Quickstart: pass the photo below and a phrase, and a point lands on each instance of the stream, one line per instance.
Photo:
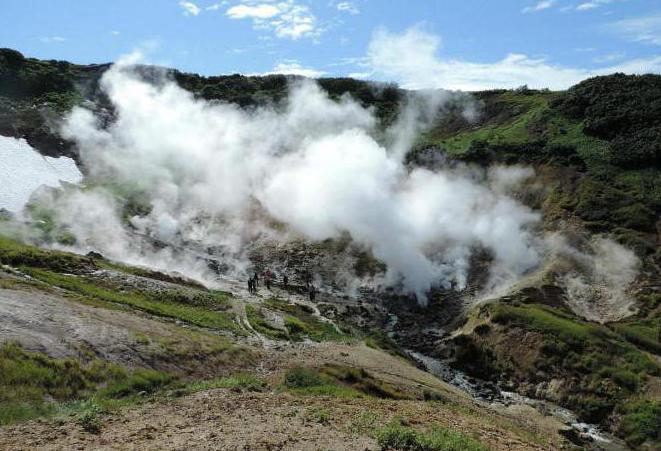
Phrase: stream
(488, 393)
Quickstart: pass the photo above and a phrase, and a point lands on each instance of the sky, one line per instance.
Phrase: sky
(451, 44)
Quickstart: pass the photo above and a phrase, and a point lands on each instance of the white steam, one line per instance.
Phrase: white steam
(219, 175)
(597, 278)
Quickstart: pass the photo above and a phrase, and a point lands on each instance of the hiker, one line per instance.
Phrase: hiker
(267, 278)
(311, 292)
(255, 281)
(250, 285)
(307, 276)
(285, 281)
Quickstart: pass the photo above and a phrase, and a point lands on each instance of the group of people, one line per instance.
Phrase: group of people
(268, 277)
(253, 282)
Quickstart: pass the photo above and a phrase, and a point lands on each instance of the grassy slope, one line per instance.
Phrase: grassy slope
(33, 384)
(607, 366)
(85, 387)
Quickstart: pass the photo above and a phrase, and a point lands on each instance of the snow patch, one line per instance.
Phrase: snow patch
(23, 170)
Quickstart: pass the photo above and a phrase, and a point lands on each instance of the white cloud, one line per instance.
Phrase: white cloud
(216, 6)
(540, 6)
(610, 57)
(347, 7)
(286, 19)
(190, 8)
(587, 6)
(411, 59)
(293, 67)
(593, 4)
(51, 39)
(636, 66)
(641, 29)
(115, 32)
(263, 11)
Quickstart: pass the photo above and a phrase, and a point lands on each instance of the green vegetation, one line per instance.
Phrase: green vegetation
(605, 367)
(90, 418)
(622, 109)
(307, 381)
(640, 422)
(258, 322)
(600, 141)
(156, 304)
(33, 384)
(244, 382)
(299, 323)
(397, 436)
(518, 111)
(16, 254)
(318, 415)
(642, 333)
(339, 381)
(378, 339)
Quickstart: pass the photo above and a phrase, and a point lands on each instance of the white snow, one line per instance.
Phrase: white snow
(23, 170)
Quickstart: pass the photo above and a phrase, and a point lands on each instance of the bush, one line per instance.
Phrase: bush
(396, 436)
(318, 415)
(246, 382)
(89, 419)
(641, 422)
(142, 380)
(623, 109)
(303, 378)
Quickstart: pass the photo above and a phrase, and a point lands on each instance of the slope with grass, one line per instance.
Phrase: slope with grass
(105, 355)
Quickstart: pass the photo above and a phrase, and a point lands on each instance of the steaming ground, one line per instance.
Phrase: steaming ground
(315, 168)
(215, 179)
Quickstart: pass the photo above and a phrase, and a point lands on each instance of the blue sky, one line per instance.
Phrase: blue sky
(457, 44)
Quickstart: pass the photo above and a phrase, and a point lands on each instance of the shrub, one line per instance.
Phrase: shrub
(303, 378)
(89, 419)
(396, 436)
(319, 415)
(641, 422)
(142, 380)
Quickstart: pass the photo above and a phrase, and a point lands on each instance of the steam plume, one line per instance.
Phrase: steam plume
(217, 174)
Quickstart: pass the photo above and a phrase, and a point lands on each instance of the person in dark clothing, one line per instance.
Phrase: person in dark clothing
(307, 276)
(250, 285)
(255, 281)
(285, 281)
(311, 292)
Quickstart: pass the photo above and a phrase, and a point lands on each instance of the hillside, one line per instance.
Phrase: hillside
(581, 331)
